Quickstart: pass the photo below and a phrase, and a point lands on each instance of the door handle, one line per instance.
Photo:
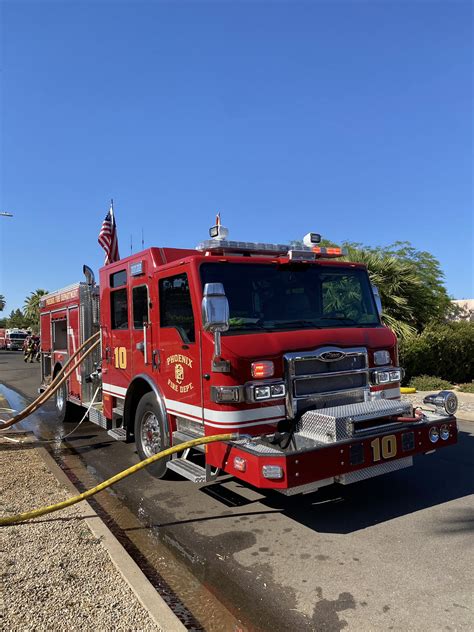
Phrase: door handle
(156, 358)
(145, 345)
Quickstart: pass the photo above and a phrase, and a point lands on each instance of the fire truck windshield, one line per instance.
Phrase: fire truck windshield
(293, 296)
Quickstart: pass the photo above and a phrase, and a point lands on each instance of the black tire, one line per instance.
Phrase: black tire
(150, 434)
(66, 412)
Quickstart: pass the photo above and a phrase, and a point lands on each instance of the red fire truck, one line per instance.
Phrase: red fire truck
(284, 346)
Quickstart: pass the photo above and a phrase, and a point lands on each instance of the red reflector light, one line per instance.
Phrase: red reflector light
(261, 369)
(240, 464)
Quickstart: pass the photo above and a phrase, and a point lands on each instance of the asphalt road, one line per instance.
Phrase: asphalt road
(391, 553)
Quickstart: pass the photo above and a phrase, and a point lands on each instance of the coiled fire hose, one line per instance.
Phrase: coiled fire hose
(35, 513)
(58, 381)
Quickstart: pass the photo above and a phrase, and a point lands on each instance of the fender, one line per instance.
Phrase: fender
(131, 402)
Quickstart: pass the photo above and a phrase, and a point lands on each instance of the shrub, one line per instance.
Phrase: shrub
(429, 383)
(467, 388)
(445, 350)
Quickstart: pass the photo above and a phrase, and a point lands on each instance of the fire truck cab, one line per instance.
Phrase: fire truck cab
(285, 347)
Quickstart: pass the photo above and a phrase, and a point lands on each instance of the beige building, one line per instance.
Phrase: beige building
(466, 305)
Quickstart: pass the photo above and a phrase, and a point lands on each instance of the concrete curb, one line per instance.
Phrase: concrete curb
(159, 611)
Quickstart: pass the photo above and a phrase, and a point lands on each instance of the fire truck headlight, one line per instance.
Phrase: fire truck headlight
(395, 376)
(386, 377)
(278, 390)
(434, 434)
(262, 392)
(381, 357)
(444, 432)
(382, 377)
(274, 472)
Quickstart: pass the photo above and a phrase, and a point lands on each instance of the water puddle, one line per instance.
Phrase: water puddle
(42, 423)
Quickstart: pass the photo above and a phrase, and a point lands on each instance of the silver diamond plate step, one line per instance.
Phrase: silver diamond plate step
(119, 434)
(187, 469)
(340, 422)
(96, 417)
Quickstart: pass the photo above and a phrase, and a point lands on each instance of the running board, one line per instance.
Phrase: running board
(188, 469)
(119, 434)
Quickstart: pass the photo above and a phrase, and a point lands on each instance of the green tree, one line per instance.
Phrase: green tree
(31, 308)
(399, 287)
(2, 302)
(17, 319)
(432, 302)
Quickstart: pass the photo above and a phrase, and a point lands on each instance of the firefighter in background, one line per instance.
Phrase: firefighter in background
(32, 347)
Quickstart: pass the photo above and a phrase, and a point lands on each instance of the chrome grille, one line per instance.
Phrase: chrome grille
(327, 372)
(315, 385)
(311, 366)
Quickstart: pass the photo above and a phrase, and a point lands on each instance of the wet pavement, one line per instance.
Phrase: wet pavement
(393, 552)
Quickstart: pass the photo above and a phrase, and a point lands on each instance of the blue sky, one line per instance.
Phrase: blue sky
(352, 119)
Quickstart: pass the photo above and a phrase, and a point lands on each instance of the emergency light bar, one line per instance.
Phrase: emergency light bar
(278, 250)
(222, 245)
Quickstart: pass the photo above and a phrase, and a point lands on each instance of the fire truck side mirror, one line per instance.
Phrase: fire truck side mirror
(378, 300)
(215, 308)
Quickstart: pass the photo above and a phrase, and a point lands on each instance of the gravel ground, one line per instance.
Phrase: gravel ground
(54, 574)
(465, 401)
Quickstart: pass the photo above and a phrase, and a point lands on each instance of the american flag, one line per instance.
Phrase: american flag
(108, 237)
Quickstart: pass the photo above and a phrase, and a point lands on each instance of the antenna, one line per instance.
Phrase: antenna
(143, 241)
(131, 243)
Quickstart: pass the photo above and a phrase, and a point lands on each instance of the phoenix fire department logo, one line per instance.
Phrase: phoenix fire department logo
(178, 373)
(178, 364)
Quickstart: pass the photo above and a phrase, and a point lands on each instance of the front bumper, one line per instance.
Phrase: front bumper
(314, 464)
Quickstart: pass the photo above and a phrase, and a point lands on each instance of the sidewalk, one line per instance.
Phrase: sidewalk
(55, 572)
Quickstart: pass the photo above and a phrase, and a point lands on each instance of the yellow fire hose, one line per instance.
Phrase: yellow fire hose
(58, 381)
(35, 513)
(407, 390)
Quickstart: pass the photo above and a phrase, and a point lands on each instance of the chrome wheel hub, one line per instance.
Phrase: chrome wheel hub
(150, 434)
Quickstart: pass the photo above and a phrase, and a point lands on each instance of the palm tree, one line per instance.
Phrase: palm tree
(399, 286)
(31, 307)
(2, 302)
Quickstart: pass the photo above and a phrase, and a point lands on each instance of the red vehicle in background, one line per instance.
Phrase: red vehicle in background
(14, 339)
(284, 346)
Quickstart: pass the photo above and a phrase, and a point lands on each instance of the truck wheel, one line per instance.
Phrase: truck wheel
(66, 411)
(150, 436)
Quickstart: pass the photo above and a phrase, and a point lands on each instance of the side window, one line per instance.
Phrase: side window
(140, 306)
(118, 278)
(175, 306)
(119, 309)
